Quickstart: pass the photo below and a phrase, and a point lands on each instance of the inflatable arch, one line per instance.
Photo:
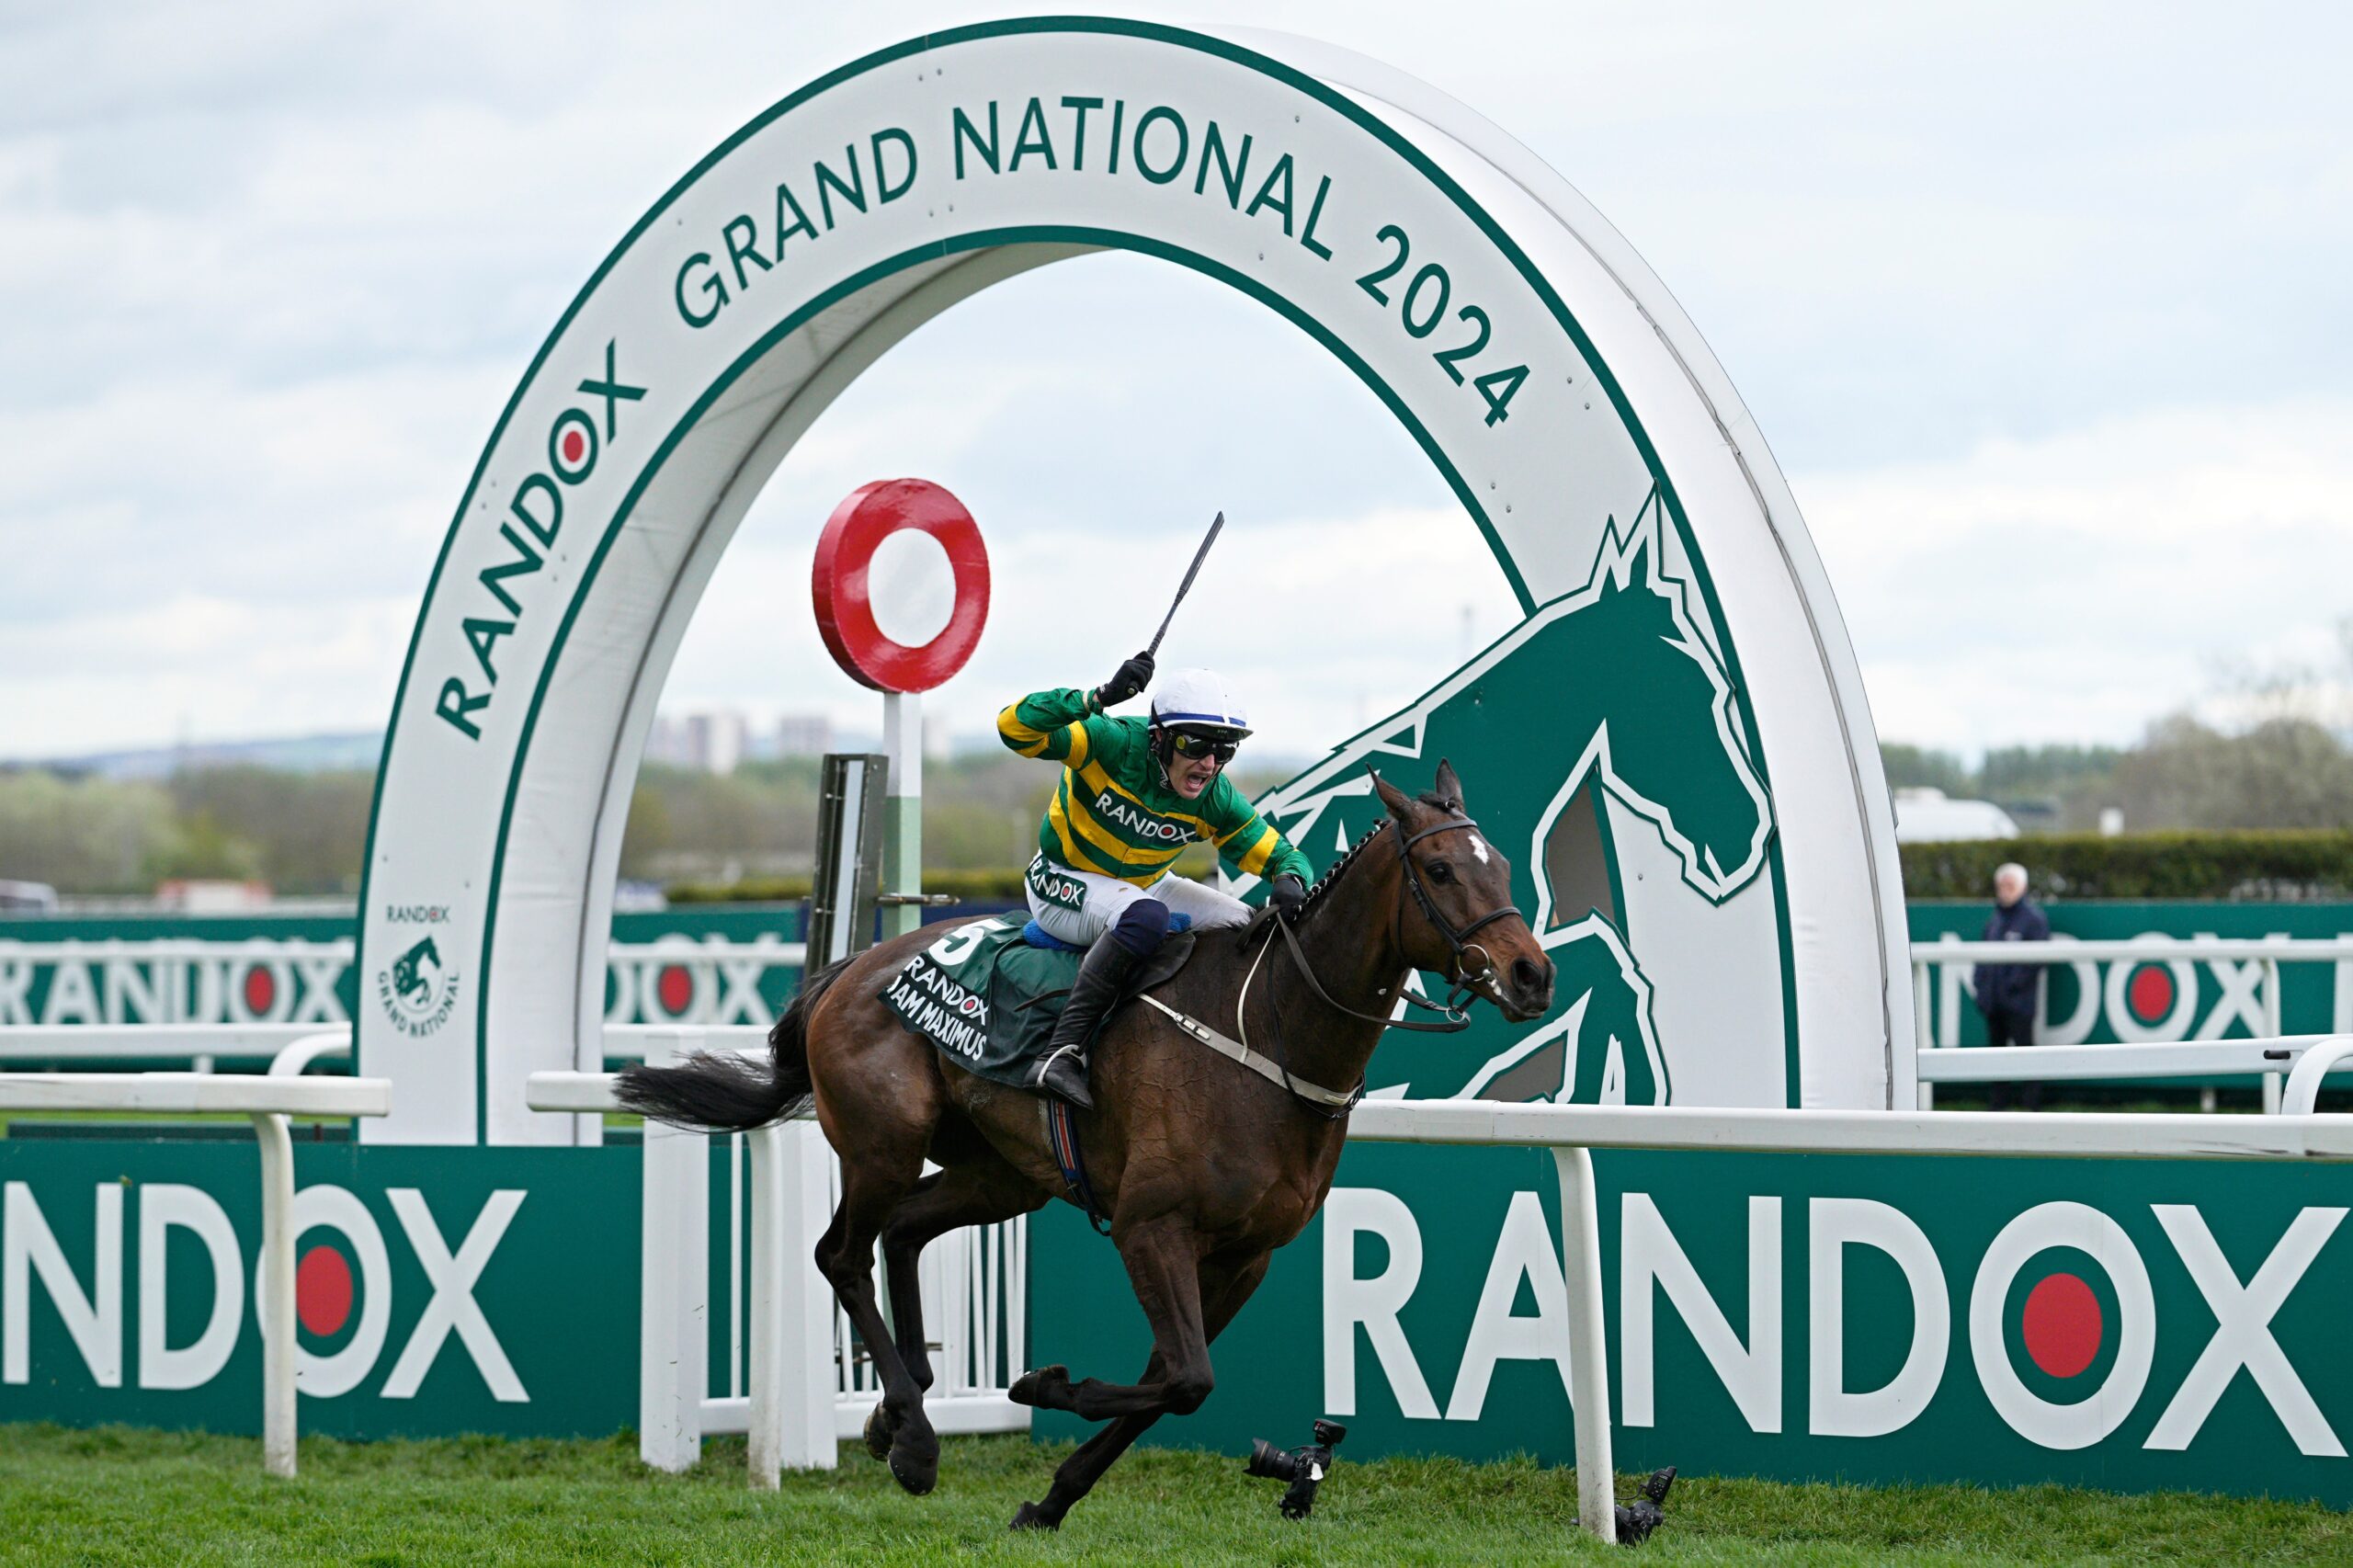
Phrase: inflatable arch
(1727, 879)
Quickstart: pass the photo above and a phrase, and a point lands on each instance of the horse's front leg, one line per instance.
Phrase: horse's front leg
(1164, 1260)
(1223, 1290)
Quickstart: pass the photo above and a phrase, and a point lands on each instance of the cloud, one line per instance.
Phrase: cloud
(2044, 311)
(2074, 587)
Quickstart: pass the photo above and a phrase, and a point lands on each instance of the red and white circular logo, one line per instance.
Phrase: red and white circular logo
(879, 561)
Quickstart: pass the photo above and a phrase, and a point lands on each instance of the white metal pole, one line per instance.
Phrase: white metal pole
(793, 1397)
(765, 1432)
(903, 821)
(806, 1325)
(2274, 1021)
(674, 1281)
(278, 1417)
(1924, 1093)
(2302, 1092)
(1588, 1348)
(738, 1293)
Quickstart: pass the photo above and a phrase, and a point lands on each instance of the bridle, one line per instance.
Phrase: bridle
(1457, 940)
(1461, 992)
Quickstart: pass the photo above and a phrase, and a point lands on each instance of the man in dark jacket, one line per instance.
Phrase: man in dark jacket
(2005, 991)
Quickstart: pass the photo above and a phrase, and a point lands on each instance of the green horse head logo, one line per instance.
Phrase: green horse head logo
(411, 981)
(1613, 690)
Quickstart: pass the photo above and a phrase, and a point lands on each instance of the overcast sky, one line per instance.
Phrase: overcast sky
(2044, 309)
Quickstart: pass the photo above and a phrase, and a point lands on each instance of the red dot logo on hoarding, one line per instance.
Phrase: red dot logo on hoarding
(2150, 993)
(260, 988)
(675, 988)
(2063, 1325)
(322, 1291)
(841, 583)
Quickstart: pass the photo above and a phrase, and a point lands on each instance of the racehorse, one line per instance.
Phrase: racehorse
(1203, 1166)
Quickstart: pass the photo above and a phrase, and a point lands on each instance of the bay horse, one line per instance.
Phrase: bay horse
(1203, 1165)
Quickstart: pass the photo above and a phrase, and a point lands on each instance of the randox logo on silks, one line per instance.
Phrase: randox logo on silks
(418, 989)
(1601, 745)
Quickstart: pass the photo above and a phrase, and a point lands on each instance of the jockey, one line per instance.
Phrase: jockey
(1133, 793)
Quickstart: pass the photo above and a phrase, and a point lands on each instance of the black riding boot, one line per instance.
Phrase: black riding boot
(1104, 971)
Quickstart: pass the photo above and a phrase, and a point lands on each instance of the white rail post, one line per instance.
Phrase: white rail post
(791, 1375)
(277, 1292)
(1588, 1346)
(765, 1377)
(2302, 1092)
(1922, 1040)
(674, 1350)
(2274, 1016)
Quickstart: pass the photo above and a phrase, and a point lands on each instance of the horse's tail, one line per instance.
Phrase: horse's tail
(727, 1092)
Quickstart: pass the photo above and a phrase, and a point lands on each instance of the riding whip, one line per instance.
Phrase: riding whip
(1187, 586)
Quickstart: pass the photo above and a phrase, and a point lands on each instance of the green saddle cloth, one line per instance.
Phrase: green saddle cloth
(966, 994)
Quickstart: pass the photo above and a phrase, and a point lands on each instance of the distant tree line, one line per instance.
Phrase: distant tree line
(302, 833)
(305, 833)
(2284, 771)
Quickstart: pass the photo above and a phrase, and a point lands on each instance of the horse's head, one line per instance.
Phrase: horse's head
(1464, 926)
(1672, 740)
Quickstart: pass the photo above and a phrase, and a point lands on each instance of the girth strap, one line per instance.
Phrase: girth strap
(1264, 1066)
(1062, 1140)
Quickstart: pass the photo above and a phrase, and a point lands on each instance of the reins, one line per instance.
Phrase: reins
(1454, 1010)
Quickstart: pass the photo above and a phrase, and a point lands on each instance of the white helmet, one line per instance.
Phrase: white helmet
(1189, 700)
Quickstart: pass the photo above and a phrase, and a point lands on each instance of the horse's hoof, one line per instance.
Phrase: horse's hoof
(1027, 1388)
(915, 1462)
(1030, 1516)
(879, 1430)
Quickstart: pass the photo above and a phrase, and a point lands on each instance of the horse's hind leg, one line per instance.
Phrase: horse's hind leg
(980, 1191)
(846, 1256)
(879, 1100)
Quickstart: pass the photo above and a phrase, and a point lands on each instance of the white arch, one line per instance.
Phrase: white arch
(500, 810)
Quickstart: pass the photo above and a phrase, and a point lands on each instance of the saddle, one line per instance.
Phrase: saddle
(988, 993)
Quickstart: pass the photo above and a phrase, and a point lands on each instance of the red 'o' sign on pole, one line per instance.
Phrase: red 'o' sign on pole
(841, 583)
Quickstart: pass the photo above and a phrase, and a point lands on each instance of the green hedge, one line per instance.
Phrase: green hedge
(2257, 866)
(2260, 867)
(1001, 883)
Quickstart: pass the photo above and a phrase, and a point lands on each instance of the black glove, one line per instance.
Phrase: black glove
(1134, 676)
(1287, 893)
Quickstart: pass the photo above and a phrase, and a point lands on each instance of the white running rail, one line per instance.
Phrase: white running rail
(1934, 1010)
(2196, 1059)
(270, 1101)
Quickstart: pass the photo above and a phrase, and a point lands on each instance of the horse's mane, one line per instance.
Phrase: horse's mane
(1333, 873)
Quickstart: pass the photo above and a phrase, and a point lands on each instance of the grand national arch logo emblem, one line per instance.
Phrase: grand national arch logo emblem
(1519, 340)
(1610, 692)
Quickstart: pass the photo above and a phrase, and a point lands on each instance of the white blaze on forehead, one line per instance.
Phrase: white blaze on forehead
(1479, 847)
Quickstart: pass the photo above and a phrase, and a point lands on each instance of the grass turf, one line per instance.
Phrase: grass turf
(121, 1495)
(132, 1497)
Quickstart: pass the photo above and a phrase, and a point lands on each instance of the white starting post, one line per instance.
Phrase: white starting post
(901, 587)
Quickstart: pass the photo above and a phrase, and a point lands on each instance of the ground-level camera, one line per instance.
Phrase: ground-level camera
(1637, 1519)
(1304, 1467)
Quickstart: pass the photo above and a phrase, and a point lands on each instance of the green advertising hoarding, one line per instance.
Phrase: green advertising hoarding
(493, 1291)
(2127, 1326)
(297, 968)
(2167, 998)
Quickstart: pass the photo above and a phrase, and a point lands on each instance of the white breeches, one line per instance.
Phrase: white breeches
(1107, 896)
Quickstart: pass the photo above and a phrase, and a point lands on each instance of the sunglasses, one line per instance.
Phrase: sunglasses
(1185, 745)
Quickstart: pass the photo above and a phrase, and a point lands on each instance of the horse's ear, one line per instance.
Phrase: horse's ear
(1448, 788)
(1400, 804)
(1641, 556)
